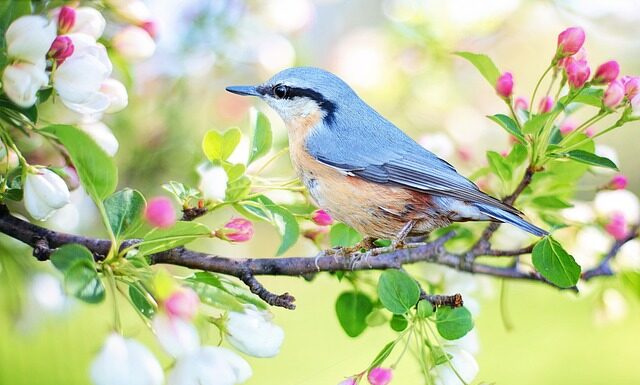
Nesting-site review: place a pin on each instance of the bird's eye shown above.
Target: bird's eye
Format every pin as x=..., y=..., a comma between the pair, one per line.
x=280, y=91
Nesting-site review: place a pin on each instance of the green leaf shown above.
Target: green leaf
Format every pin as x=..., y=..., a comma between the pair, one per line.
x=219, y=146
x=280, y=217
x=535, y=123
x=453, y=323
x=555, y=264
x=376, y=318
x=215, y=296
x=517, y=156
x=590, y=159
x=124, y=211
x=398, y=322
x=262, y=137
x=68, y=255
x=238, y=189
x=140, y=301
x=509, y=125
x=83, y=282
x=97, y=171
x=352, y=309
x=425, y=309
x=499, y=166
x=590, y=96
x=239, y=292
x=551, y=202
x=342, y=235
x=181, y=233
x=183, y=192
x=382, y=355
x=398, y=292
x=484, y=64
x=234, y=171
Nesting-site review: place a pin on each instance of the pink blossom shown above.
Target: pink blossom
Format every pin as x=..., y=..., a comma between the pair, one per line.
x=316, y=234
x=66, y=19
x=635, y=106
x=567, y=126
x=578, y=72
x=380, y=376
x=614, y=94
x=151, y=27
x=631, y=86
x=236, y=230
x=570, y=41
x=617, y=226
x=590, y=131
x=349, y=381
x=61, y=48
x=321, y=218
x=182, y=303
x=504, y=85
x=521, y=104
x=546, y=104
x=607, y=72
x=160, y=212
x=618, y=182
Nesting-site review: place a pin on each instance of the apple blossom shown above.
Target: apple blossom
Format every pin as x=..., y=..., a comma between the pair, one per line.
x=135, y=11
x=614, y=94
x=380, y=376
x=321, y=218
x=521, y=104
x=117, y=94
x=66, y=19
x=618, y=182
x=210, y=365
x=236, y=230
x=631, y=86
x=349, y=381
x=635, y=106
x=151, y=27
x=545, y=105
x=44, y=192
x=617, y=226
x=160, y=212
x=253, y=333
x=182, y=303
x=608, y=202
x=607, y=72
x=28, y=38
x=504, y=85
x=567, y=126
x=577, y=73
x=124, y=361
x=61, y=49
x=21, y=82
x=465, y=366
x=176, y=336
x=89, y=21
x=213, y=181
x=570, y=41
x=101, y=134
x=134, y=43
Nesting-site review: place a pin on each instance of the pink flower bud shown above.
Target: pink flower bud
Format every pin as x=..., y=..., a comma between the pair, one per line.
x=618, y=182
x=160, y=212
x=617, y=226
x=631, y=86
x=182, y=303
x=61, y=48
x=236, y=230
x=589, y=132
x=348, y=381
x=570, y=41
x=66, y=19
x=316, y=234
x=321, y=218
x=578, y=72
x=521, y=104
x=151, y=27
x=70, y=176
x=607, y=72
x=567, y=126
x=380, y=376
x=580, y=55
x=635, y=106
x=545, y=105
x=504, y=85
x=613, y=94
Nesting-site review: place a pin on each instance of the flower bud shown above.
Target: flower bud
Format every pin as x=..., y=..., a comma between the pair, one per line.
x=102, y=135
x=590, y=132
x=236, y=230
x=617, y=226
x=635, y=106
x=380, y=376
x=521, y=104
x=253, y=333
x=578, y=72
x=613, y=95
x=125, y=361
x=182, y=303
x=177, y=337
x=28, y=38
x=210, y=365
x=545, y=105
x=321, y=218
x=70, y=177
x=570, y=41
x=44, y=192
x=151, y=27
x=618, y=182
x=349, y=381
x=316, y=234
x=61, y=48
x=631, y=86
x=117, y=94
x=134, y=43
x=66, y=19
x=567, y=126
x=504, y=85
x=21, y=82
x=89, y=21
x=160, y=212
x=606, y=72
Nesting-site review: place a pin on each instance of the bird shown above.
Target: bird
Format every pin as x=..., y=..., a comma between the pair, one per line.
x=366, y=172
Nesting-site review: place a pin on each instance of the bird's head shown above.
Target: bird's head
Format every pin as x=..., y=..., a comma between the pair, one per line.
x=301, y=91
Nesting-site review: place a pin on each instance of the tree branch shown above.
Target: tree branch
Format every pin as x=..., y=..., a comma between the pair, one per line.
x=604, y=267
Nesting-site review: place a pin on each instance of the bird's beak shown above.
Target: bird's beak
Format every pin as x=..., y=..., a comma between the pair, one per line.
x=244, y=90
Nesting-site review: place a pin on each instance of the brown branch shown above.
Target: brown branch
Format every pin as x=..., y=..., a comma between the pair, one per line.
x=452, y=301
x=604, y=267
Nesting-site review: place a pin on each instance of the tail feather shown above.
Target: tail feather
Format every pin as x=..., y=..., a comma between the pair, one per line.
x=507, y=217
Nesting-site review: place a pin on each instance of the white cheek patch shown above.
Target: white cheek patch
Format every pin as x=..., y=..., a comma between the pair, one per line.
x=290, y=109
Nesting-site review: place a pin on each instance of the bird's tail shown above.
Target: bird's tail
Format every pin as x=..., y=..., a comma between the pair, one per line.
x=507, y=217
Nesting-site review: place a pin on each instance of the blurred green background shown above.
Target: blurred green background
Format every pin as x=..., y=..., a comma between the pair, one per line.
x=397, y=55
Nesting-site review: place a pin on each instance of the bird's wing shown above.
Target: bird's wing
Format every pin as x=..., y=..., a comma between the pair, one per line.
x=394, y=158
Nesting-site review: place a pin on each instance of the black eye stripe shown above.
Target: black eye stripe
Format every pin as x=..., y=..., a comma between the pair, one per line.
x=325, y=104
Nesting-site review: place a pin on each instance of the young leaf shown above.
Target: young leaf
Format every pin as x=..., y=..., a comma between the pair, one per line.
x=484, y=64
x=398, y=322
x=219, y=146
x=140, y=302
x=214, y=296
x=590, y=158
x=517, y=156
x=509, y=125
x=342, y=235
x=535, y=124
x=83, y=282
x=352, y=309
x=382, y=355
x=425, y=309
x=453, y=323
x=96, y=169
x=238, y=189
x=262, y=138
x=239, y=292
x=181, y=233
x=68, y=255
x=551, y=203
x=590, y=96
x=280, y=217
x=397, y=291
x=124, y=211
x=499, y=166
x=555, y=264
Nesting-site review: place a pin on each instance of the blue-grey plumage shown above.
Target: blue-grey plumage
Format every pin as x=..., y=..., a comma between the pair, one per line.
x=364, y=170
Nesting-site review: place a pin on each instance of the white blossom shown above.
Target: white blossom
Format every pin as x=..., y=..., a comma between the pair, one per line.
x=134, y=43
x=465, y=366
x=117, y=94
x=210, y=365
x=44, y=192
x=213, y=181
x=102, y=135
x=176, y=336
x=606, y=203
x=29, y=38
x=89, y=21
x=253, y=333
x=21, y=82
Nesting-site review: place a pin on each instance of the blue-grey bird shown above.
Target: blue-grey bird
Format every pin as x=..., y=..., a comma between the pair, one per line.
x=363, y=170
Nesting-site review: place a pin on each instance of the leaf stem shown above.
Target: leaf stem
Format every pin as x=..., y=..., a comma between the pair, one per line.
x=535, y=90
